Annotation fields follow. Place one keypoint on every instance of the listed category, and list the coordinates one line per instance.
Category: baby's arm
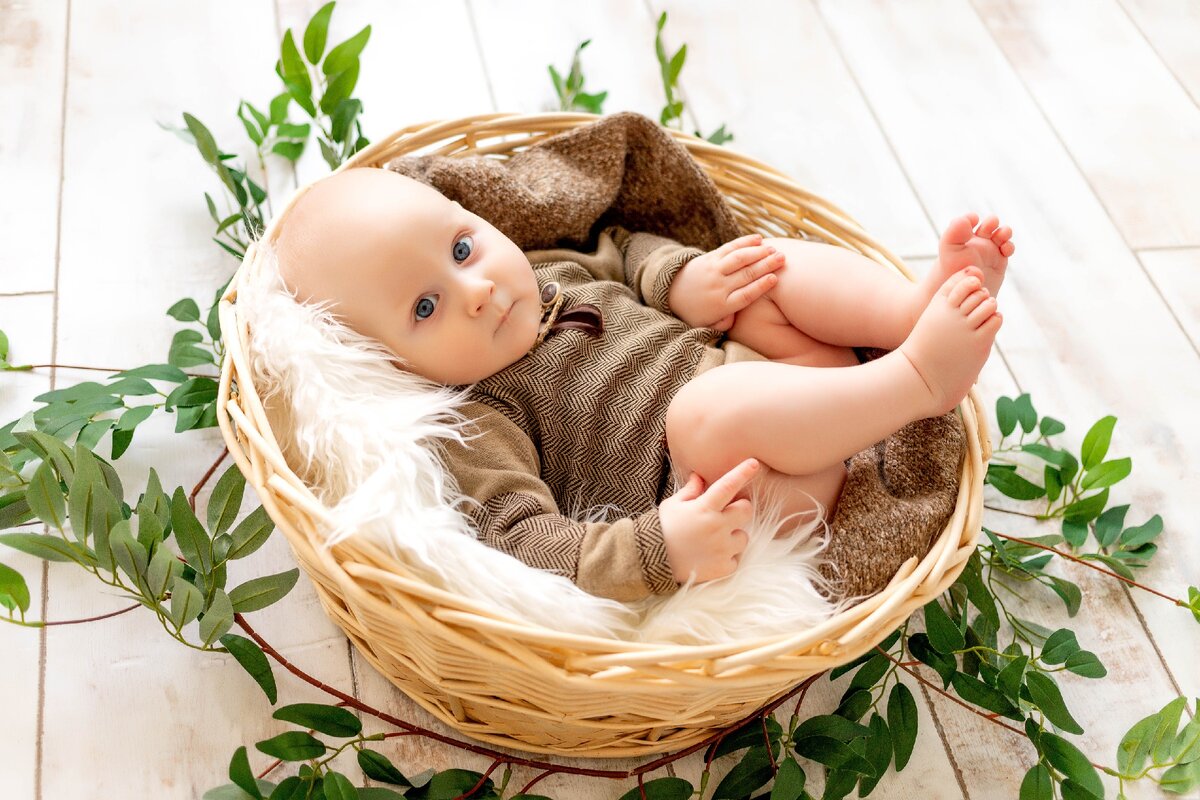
(624, 560)
(644, 262)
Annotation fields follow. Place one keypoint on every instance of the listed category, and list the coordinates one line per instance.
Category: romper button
(549, 292)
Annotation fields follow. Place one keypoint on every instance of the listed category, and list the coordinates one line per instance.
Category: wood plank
(32, 41)
(1176, 273)
(125, 677)
(796, 108)
(1126, 120)
(28, 321)
(1083, 347)
(1172, 28)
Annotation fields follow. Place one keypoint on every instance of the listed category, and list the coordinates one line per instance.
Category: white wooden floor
(1075, 120)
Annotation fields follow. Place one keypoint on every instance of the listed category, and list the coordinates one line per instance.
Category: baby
(461, 304)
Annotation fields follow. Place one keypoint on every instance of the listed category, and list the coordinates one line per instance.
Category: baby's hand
(704, 531)
(711, 288)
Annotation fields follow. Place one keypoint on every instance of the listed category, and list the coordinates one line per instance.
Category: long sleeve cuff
(652, 554)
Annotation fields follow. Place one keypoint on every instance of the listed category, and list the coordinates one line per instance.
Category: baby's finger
(744, 296)
(722, 491)
(747, 256)
(742, 241)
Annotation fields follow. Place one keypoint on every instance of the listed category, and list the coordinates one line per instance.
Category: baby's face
(443, 289)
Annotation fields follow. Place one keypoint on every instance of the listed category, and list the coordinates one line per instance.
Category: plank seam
(937, 723)
(487, 78)
(1161, 58)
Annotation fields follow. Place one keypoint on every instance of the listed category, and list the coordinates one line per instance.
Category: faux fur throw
(624, 169)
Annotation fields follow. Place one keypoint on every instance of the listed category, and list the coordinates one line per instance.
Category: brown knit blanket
(625, 170)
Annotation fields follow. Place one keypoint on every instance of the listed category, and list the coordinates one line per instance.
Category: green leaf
(944, 665)
(1053, 480)
(1048, 698)
(316, 32)
(186, 602)
(1037, 784)
(194, 543)
(1107, 474)
(829, 725)
(1108, 526)
(1085, 663)
(1006, 415)
(259, 593)
(338, 787)
(1181, 778)
(1067, 758)
(1011, 677)
(3, 347)
(1087, 509)
(377, 767)
(217, 619)
(944, 635)
(292, 746)
(185, 310)
(339, 89)
(345, 54)
(330, 720)
(789, 781)
(240, 774)
(833, 753)
(48, 448)
(1059, 646)
(1068, 591)
(128, 552)
(1163, 738)
(162, 570)
(1051, 427)
(250, 533)
(48, 547)
(13, 589)
(295, 75)
(871, 672)
(676, 65)
(1075, 533)
(252, 659)
(1146, 532)
(1095, 443)
(14, 510)
(45, 497)
(976, 691)
(1011, 484)
(226, 500)
(204, 140)
(878, 751)
(195, 392)
(1026, 414)
(661, 789)
(93, 432)
(902, 722)
(752, 772)
(452, 783)
(1187, 744)
(1135, 746)
(157, 372)
(1048, 454)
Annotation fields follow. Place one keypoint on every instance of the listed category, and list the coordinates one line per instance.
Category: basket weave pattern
(507, 683)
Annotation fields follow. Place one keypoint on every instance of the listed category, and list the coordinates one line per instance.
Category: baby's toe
(987, 228)
(959, 230)
(963, 289)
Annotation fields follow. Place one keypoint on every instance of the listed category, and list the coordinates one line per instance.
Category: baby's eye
(425, 302)
(462, 248)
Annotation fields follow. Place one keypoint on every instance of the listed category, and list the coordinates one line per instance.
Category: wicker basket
(507, 683)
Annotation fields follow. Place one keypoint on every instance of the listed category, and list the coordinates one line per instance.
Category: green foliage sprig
(571, 96)
(669, 69)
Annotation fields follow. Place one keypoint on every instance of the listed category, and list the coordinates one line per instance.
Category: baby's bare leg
(796, 420)
(842, 298)
(803, 420)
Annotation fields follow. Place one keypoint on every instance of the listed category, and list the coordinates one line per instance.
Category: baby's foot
(952, 338)
(963, 245)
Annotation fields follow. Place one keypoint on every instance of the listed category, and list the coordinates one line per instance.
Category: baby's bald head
(339, 239)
